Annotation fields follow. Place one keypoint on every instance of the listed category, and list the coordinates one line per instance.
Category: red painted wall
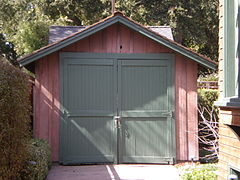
(116, 39)
(186, 108)
(46, 101)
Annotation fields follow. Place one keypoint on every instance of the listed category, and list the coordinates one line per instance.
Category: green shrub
(199, 172)
(39, 160)
(14, 120)
(209, 77)
(206, 98)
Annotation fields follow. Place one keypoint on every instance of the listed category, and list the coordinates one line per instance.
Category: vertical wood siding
(116, 39)
(46, 106)
(186, 108)
(229, 142)
(192, 121)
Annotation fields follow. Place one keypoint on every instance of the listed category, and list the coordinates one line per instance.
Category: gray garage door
(117, 108)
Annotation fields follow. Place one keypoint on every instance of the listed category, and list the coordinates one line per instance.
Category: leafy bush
(206, 98)
(14, 120)
(208, 125)
(39, 160)
(199, 172)
(209, 77)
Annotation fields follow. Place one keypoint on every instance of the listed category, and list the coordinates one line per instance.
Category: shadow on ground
(114, 172)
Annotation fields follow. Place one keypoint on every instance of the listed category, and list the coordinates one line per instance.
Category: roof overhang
(118, 18)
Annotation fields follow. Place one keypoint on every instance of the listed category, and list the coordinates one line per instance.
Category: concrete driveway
(114, 172)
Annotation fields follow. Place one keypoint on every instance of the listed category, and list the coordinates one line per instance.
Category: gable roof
(117, 17)
(57, 33)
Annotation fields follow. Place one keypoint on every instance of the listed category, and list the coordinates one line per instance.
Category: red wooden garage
(139, 83)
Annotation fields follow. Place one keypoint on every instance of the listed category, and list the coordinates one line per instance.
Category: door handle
(117, 121)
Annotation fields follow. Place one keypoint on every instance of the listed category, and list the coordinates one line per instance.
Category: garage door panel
(141, 79)
(146, 139)
(90, 136)
(88, 98)
(90, 87)
(145, 111)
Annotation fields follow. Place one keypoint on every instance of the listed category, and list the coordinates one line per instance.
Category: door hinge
(169, 114)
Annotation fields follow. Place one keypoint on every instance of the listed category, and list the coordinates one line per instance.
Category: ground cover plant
(38, 162)
(198, 172)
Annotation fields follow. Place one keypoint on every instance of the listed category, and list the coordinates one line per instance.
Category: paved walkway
(114, 172)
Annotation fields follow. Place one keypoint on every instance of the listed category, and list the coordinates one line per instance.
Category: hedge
(38, 162)
(14, 120)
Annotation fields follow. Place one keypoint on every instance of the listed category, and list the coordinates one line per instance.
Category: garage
(116, 92)
(119, 108)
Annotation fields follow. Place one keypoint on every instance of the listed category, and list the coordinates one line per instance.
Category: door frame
(116, 57)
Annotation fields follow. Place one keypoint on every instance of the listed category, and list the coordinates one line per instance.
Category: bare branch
(208, 132)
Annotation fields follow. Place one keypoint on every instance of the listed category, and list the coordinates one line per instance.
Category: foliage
(39, 161)
(210, 77)
(32, 36)
(26, 22)
(208, 125)
(194, 22)
(14, 120)
(209, 81)
(7, 50)
(77, 12)
(199, 172)
(206, 98)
